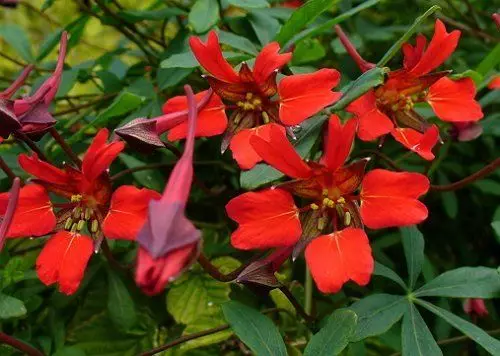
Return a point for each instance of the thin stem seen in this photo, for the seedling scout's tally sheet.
(23, 137)
(19, 345)
(308, 318)
(216, 274)
(351, 50)
(7, 170)
(11, 90)
(490, 168)
(308, 291)
(64, 145)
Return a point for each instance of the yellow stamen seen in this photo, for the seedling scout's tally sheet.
(68, 224)
(330, 203)
(80, 225)
(76, 212)
(95, 226)
(341, 200)
(76, 198)
(314, 206)
(249, 96)
(325, 192)
(347, 218)
(265, 117)
(321, 223)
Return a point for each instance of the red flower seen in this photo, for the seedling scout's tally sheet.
(494, 83)
(466, 131)
(294, 4)
(251, 93)
(475, 307)
(91, 207)
(169, 243)
(421, 144)
(7, 210)
(496, 19)
(383, 110)
(334, 218)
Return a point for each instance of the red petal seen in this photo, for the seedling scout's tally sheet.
(338, 142)
(339, 257)
(210, 57)
(212, 118)
(454, 100)
(266, 219)
(153, 275)
(494, 83)
(43, 170)
(372, 122)
(442, 45)
(33, 215)
(390, 198)
(279, 153)
(268, 61)
(412, 55)
(303, 95)
(128, 212)
(64, 259)
(99, 155)
(421, 144)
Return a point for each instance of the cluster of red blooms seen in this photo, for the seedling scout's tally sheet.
(323, 209)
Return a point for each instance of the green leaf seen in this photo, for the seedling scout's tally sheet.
(17, 38)
(70, 351)
(450, 200)
(204, 15)
(47, 4)
(302, 17)
(490, 61)
(256, 330)
(417, 339)
(262, 173)
(203, 323)
(309, 50)
(196, 295)
(383, 271)
(376, 314)
(187, 60)
(366, 81)
(170, 77)
(151, 15)
(488, 186)
(11, 307)
(264, 25)
(465, 282)
(249, 4)
(413, 244)
(237, 42)
(48, 44)
(151, 178)
(489, 343)
(334, 336)
(406, 36)
(327, 26)
(121, 307)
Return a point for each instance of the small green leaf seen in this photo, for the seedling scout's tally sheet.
(249, 4)
(417, 339)
(151, 178)
(204, 15)
(376, 314)
(309, 50)
(11, 307)
(169, 77)
(413, 244)
(17, 38)
(490, 61)
(237, 42)
(262, 173)
(489, 343)
(256, 330)
(187, 60)
(302, 17)
(47, 4)
(488, 186)
(383, 271)
(151, 15)
(121, 307)
(465, 282)
(406, 36)
(366, 81)
(264, 25)
(334, 336)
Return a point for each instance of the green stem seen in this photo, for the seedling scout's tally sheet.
(308, 292)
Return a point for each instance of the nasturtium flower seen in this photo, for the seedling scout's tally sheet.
(475, 307)
(340, 198)
(390, 107)
(169, 242)
(91, 212)
(254, 97)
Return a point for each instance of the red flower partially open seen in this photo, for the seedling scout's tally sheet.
(91, 212)
(251, 96)
(389, 108)
(331, 224)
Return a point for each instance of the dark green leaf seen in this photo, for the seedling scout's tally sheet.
(334, 336)
(169, 77)
(237, 42)
(488, 186)
(417, 339)
(151, 178)
(153, 15)
(47, 4)
(256, 330)
(309, 50)
(204, 15)
(383, 271)
(477, 334)
(17, 38)
(376, 314)
(249, 4)
(368, 80)
(413, 244)
(11, 307)
(70, 351)
(302, 17)
(264, 25)
(490, 61)
(263, 174)
(121, 307)
(406, 36)
(465, 282)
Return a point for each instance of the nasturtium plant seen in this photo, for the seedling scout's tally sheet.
(235, 177)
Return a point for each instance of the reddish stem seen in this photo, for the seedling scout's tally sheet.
(490, 168)
(496, 18)
(9, 213)
(7, 93)
(19, 345)
(351, 50)
(7, 170)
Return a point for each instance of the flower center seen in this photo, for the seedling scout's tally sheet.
(81, 216)
(252, 102)
(335, 208)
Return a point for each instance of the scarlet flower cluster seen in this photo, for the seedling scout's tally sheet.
(325, 207)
